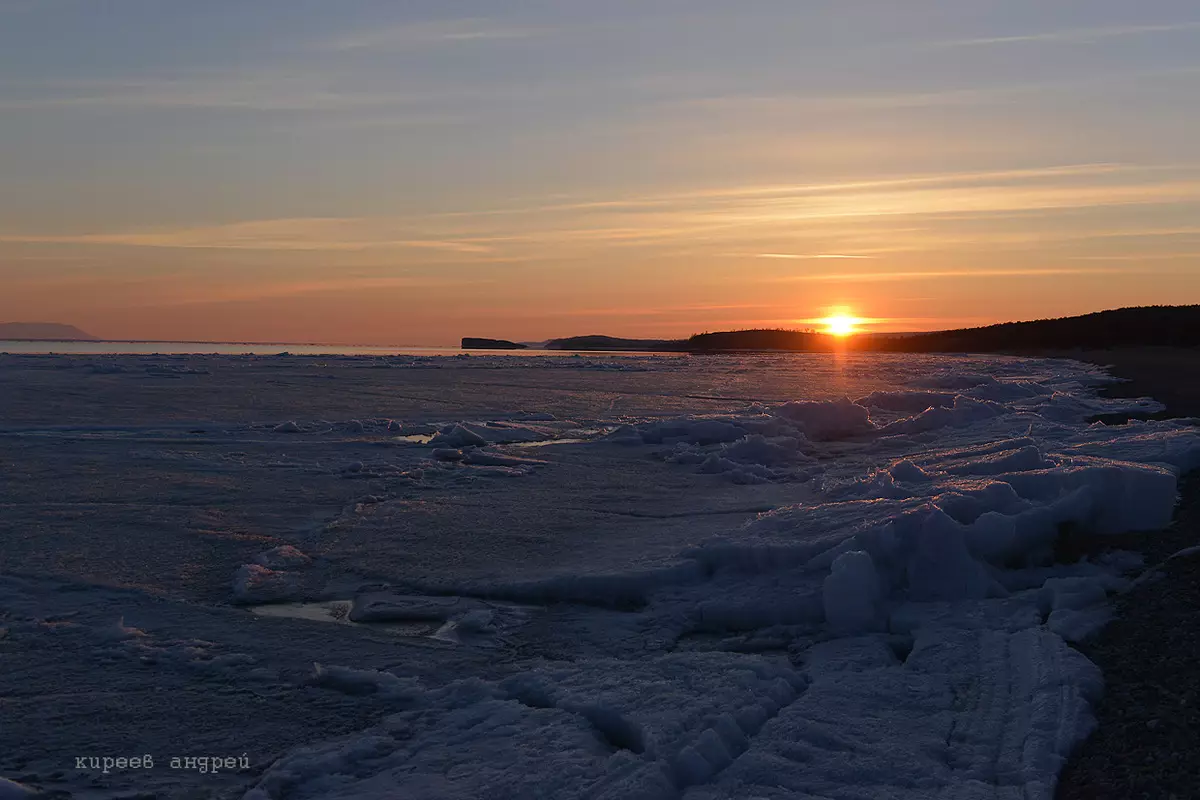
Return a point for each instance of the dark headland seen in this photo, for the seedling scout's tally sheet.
(477, 343)
(43, 332)
(1143, 326)
(612, 343)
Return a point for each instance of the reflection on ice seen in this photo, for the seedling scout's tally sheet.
(331, 611)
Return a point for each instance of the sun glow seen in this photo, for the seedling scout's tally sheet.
(841, 325)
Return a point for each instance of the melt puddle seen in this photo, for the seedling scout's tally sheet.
(547, 442)
(415, 438)
(579, 436)
(338, 613)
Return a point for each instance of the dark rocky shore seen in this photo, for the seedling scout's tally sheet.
(1147, 744)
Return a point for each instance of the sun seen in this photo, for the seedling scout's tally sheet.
(841, 325)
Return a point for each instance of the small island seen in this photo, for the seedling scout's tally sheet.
(475, 343)
(43, 332)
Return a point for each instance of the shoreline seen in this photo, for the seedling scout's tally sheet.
(1171, 375)
(1148, 733)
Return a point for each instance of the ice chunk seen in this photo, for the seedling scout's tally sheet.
(908, 471)
(1018, 460)
(1009, 391)
(488, 459)
(11, 790)
(121, 632)
(942, 568)
(1179, 448)
(852, 593)
(758, 449)
(954, 380)
(1124, 496)
(470, 627)
(364, 681)
(1076, 625)
(965, 411)
(906, 402)
(388, 607)
(455, 436)
(828, 420)
(698, 431)
(255, 584)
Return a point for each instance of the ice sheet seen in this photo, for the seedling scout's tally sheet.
(725, 580)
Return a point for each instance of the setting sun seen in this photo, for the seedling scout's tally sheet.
(841, 325)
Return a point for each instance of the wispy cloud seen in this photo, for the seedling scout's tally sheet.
(1081, 35)
(315, 233)
(433, 32)
(809, 257)
(262, 290)
(965, 273)
(919, 98)
(740, 193)
(849, 221)
(1141, 257)
(248, 90)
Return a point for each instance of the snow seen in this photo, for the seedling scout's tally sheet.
(726, 579)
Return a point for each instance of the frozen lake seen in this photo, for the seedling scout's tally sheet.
(101, 348)
(558, 576)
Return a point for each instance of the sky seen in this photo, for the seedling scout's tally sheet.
(371, 171)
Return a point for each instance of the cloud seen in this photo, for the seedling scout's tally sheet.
(805, 257)
(434, 32)
(1080, 35)
(311, 233)
(246, 90)
(738, 193)
(1141, 257)
(858, 277)
(849, 220)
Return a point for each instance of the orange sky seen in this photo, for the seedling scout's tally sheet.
(381, 177)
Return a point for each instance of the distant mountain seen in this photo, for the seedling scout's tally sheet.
(596, 342)
(43, 332)
(474, 343)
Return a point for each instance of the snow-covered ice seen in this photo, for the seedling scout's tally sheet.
(725, 579)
